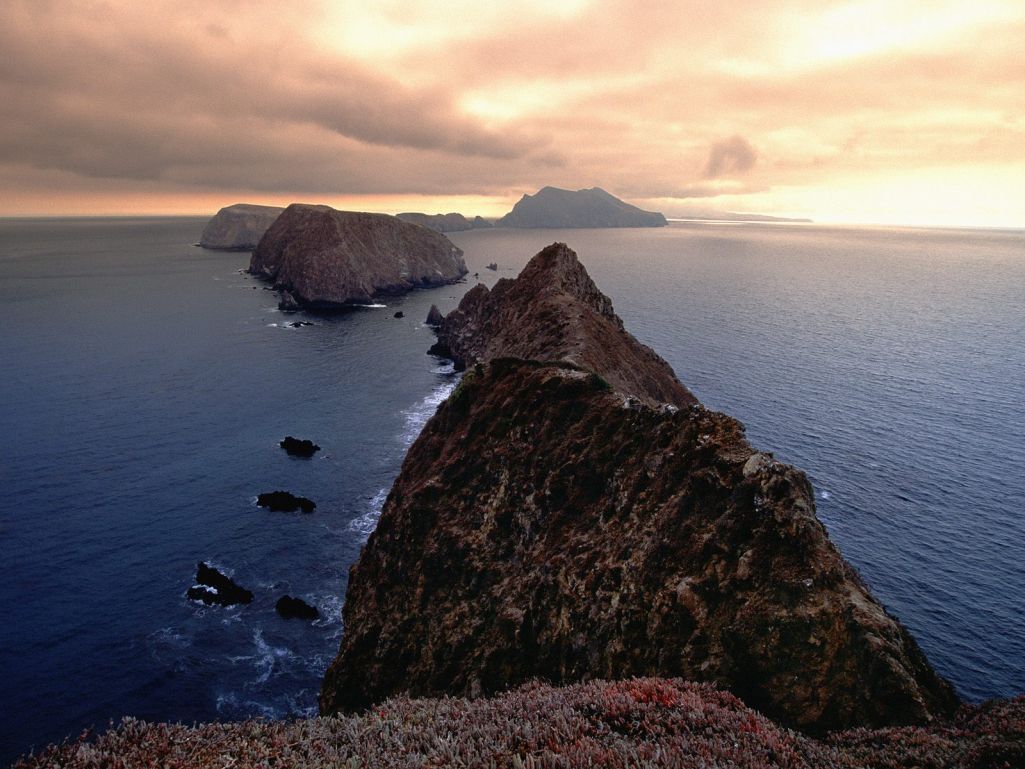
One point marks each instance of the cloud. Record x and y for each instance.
(645, 98)
(730, 157)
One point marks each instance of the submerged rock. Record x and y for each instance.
(554, 207)
(238, 227)
(297, 447)
(285, 502)
(325, 259)
(399, 314)
(295, 608)
(553, 311)
(215, 588)
(558, 520)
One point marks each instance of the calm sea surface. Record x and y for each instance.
(146, 384)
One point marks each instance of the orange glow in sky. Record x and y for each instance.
(858, 111)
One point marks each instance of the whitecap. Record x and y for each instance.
(366, 523)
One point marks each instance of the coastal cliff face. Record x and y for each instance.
(238, 227)
(553, 207)
(546, 526)
(328, 259)
(554, 311)
(446, 222)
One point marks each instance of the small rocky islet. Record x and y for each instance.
(572, 514)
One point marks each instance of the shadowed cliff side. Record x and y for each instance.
(542, 528)
(543, 525)
(327, 259)
(554, 311)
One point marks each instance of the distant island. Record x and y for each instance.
(238, 227)
(732, 216)
(552, 207)
(446, 222)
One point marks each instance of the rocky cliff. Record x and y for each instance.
(554, 207)
(545, 525)
(446, 222)
(238, 227)
(327, 259)
(554, 311)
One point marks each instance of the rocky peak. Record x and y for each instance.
(554, 311)
(543, 526)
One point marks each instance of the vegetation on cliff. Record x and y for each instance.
(634, 723)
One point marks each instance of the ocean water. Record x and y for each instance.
(147, 382)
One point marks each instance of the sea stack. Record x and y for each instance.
(238, 227)
(553, 207)
(328, 260)
(571, 513)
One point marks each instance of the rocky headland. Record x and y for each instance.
(446, 222)
(553, 311)
(238, 227)
(571, 513)
(552, 207)
(323, 259)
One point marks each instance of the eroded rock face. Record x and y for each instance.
(543, 526)
(554, 311)
(554, 207)
(238, 227)
(326, 259)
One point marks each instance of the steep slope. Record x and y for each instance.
(238, 227)
(327, 259)
(546, 526)
(553, 311)
(553, 207)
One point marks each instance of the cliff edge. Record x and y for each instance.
(327, 259)
(545, 525)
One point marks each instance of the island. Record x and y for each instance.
(325, 260)
(238, 227)
(552, 207)
(447, 222)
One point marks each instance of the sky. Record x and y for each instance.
(875, 111)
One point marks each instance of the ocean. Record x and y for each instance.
(146, 384)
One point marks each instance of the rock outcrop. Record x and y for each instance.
(446, 222)
(285, 502)
(554, 207)
(324, 259)
(299, 447)
(289, 607)
(551, 522)
(216, 588)
(553, 311)
(238, 227)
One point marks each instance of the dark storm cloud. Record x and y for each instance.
(730, 157)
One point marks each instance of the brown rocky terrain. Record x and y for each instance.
(238, 227)
(554, 311)
(326, 259)
(544, 525)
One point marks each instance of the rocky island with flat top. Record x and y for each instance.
(324, 260)
(238, 227)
